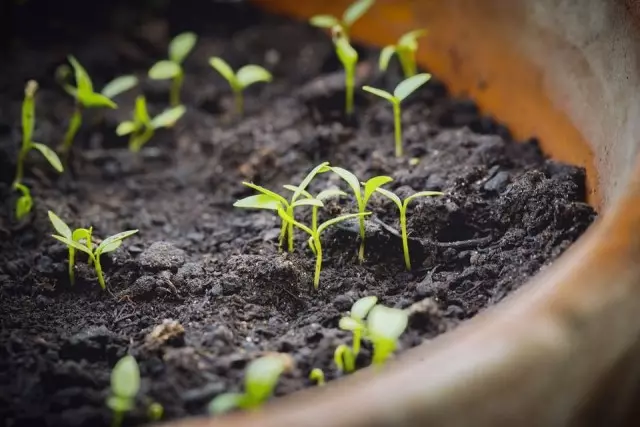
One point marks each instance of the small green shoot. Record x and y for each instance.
(239, 81)
(24, 204)
(344, 358)
(125, 384)
(349, 58)
(109, 244)
(355, 321)
(270, 200)
(79, 235)
(314, 241)
(402, 207)
(142, 127)
(401, 92)
(171, 68)
(362, 196)
(260, 380)
(155, 412)
(316, 375)
(406, 49)
(354, 12)
(384, 327)
(86, 98)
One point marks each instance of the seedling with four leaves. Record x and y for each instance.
(171, 68)
(24, 203)
(240, 80)
(142, 127)
(401, 92)
(260, 380)
(109, 244)
(79, 235)
(125, 385)
(405, 49)
(348, 56)
(402, 207)
(354, 12)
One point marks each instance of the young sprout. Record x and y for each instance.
(171, 68)
(349, 58)
(384, 327)
(402, 207)
(260, 381)
(267, 199)
(314, 241)
(350, 15)
(142, 127)
(404, 89)
(316, 375)
(109, 244)
(239, 81)
(362, 196)
(24, 204)
(355, 321)
(125, 384)
(79, 235)
(155, 411)
(344, 358)
(86, 98)
(406, 49)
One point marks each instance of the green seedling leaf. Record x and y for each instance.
(262, 376)
(125, 128)
(410, 85)
(356, 11)
(111, 247)
(294, 188)
(125, 378)
(330, 193)
(379, 92)
(308, 202)
(324, 21)
(334, 221)
(80, 234)
(83, 81)
(375, 182)
(349, 324)
(221, 66)
(422, 194)
(395, 199)
(250, 74)
(385, 58)
(106, 243)
(119, 85)
(268, 192)
(76, 245)
(169, 117)
(226, 402)
(119, 404)
(410, 39)
(24, 203)
(163, 70)
(346, 53)
(140, 113)
(351, 180)
(321, 168)
(95, 100)
(181, 45)
(259, 201)
(386, 322)
(362, 307)
(60, 226)
(50, 155)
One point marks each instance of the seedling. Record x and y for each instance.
(344, 358)
(260, 381)
(171, 68)
(142, 127)
(239, 81)
(109, 244)
(125, 384)
(24, 204)
(355, 321)
(354, 12)
(79, 235)
(349, 58)
(362, 196)
(322, 196)
(28, 124)
(316, 375)
(155, 411)
(270, 200)
(314, 241)
(384, 327)
(86, 98)
(401, 92)
(402, 207)
(406, 49)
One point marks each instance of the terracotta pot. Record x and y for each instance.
(564, 349)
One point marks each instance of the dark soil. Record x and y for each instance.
(211, 275)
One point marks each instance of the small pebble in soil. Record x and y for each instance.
(162, 256)
(169, 332)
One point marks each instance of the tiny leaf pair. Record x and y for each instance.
(142, 127)
(401, 92)
(171, 68)
(79, 235)
(109, 244)
(354, 12)
(406, 49)
(402, 207)
(125, 385)
(260, 380)
(362, 196)
(240, 80)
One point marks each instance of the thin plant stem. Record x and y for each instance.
(398, 128)
(314, 218)
(72, 256)
(239, 101)
(290, 231)
(283, 234)
(362, 233)
(22, 156)
(357, 337)
(349, 85)
(98, 266)
(176, 86)
(117, 419)
(74, 126)
(316, 276)
(137, 141)
(405, 238)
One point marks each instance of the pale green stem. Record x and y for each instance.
(362, 233)
(176, 86)
(98, 267)
(349, 84)
(316, 277)
(74, 125)
(314, 218)
(405, 238)
(290, 229)
(239, 96)
(72, 256)
(283, 234)
(357, 337)
(117, 419)
(408, 63)
(398, 128)
(137, 141)
(22, 156)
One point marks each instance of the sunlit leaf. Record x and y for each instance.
(111, 247)
(181, 45)
(385, 57)
(341, 218)
(375, 182)
(96, 100)
(119, 85)
(250, 74)
(379, 92)
(221, 66)
(163, 70)
(259, 201)
(349, 324)
(361, 308)
(410, 85)
(50, 155)
(409, 40)
(76, 245)
(422, 194)
(126, 128)
(141, 114)
(119, 236)
(60, 226)
(324, 21)
(350, 179)
(386, 322)
(225, 403)
(330, 193)
(308, 202)
(268, 192)
(356, 10)
(168, 117)
(321, 168)
(83, 81)
(125, 378)
(395, 199)
(262, 376)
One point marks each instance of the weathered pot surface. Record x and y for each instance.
(561, 350)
